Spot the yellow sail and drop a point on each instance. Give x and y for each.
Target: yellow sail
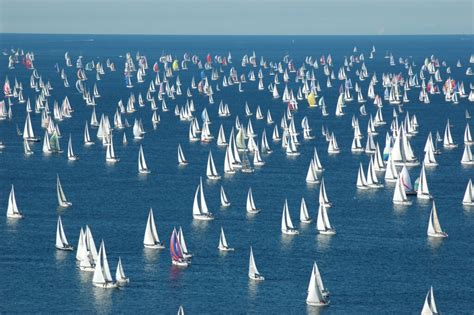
(311, 100)
(175, 65)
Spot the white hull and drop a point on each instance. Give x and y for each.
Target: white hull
(15, 216)
(328, 232)
(67, 248)
(203, 217)
(180, 263)
(154, 246)
(438, 235)
(107, 285)
(256, 277)
(226, 249)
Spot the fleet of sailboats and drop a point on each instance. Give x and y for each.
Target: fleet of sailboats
(247, 150)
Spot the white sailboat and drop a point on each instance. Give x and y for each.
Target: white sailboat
(110, 154)
(61, 240)
(181, 158)
(311, 175)
(142, 167)
(27, 148)
(323, 197)
(322, 224)
(224, 200)
(151, 239)
(62, 200)
(250, 205)
(200, 210)
(87, 137)
(304, 215)
(102, 277)
(184, 248)
(468, 199)
(223, 246)
(361, 179)
(467, 158)
(399, 195)
(211, 171)
(253, 271)
(70, 152)
(286, 223)
(434, 228)
(317, 294)
(12, 210)
(448, 139)
(429, 307)
(120, 277)
(423, 191)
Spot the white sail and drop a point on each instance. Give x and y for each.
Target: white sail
(70, 152)
(211, 171)
(429, 307)
(316, 296)
(223, 246)
(142, 167)
(250, 205)
(102, 277)
(468, 199)
(286, 223)
(434, 228)
(323, 225)
(224, 200)
(151, 239)
(62, 200)
(304, 215)
(61, 240)
(12, 210)
(181, 158)
(200, 210)
(120, 276)
(253, 271)
(323, 198)
(399, 195)
(423, 190)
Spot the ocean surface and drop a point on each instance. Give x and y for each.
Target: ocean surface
(380, 260)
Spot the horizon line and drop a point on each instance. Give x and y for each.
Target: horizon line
(308, 35)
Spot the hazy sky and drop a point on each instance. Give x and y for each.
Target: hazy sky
(274, 17)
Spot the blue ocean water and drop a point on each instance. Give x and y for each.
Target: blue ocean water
(381, 259)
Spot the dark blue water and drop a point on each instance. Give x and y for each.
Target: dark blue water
(380, 261)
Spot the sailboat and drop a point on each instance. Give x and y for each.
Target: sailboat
(468, 199)
(120, 277)
(180, 310)
(423, 191)
(200, 210)
(224, 200)
(61, 240)
(361, 179)
(87, 138)
(304, 215)
(181, 158)
(286, 223)
(177, 257)
(102, 277)
(434, 228)
(250, 206)
(223, 246)
(151, 239)
(12, 210)
(317, 294)
(399, 195)
(448, 139)
(26, 148)
(184, 247)
(253, 271)
(429, 307)
(70, 153)
(142, 167)
(323, 225)
(62, 200)
(323, 197)
(467, 158)
(311, 175)
(110, 154)
(211, 170)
